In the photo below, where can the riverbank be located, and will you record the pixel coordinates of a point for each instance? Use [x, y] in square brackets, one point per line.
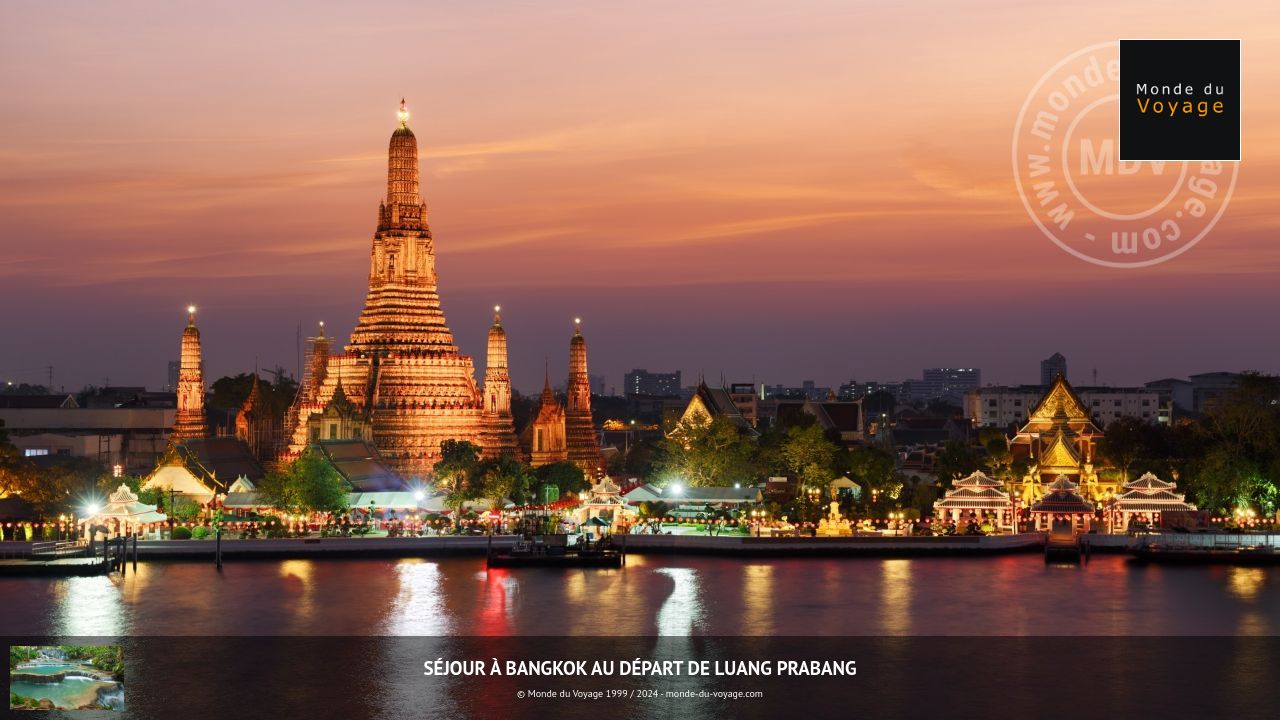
[729, 546]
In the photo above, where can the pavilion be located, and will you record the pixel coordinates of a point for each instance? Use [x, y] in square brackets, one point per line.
[1062, 504]
[123, 514]
[606, 503]
[1145, 500]
[978, 495]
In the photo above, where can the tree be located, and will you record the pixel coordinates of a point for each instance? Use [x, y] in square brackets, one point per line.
[1241, 456]
[505, 477]
[308, 484]
[457, 473]
[567, 477]
[957, 459]
[1123, 443]
[705, 452]
[809, 455]
[873, 468]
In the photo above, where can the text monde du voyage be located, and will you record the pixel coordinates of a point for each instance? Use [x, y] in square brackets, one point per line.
[1179, 99]
[639, 667]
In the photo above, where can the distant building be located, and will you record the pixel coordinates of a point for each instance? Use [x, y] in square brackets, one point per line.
[948, 383]
[808, 390]
[1003, 406]
[744, 397]
[132, 437]
[641, 382]
[1051, 367]
[1198, 394]
[854, 390]
[598, 385]
[175, 367]
[844, 418]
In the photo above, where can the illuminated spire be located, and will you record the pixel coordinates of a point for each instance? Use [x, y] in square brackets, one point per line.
[191, 314]
[402, 171]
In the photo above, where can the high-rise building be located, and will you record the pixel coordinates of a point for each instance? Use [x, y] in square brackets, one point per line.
[175, 366]
[1051, 367]
[949, 383]
[190, 422]
[655, 384]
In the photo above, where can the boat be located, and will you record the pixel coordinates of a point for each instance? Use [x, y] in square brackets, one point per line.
[557, 551]
[1226, 549]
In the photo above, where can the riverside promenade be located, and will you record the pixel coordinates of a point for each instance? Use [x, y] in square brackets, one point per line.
[733, 545]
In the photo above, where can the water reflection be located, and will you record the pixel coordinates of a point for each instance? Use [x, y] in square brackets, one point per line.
[89, 606]
[757, 599]
[498, 603]
[895, 597]
[682, 610]
[1246, 582]
[418, 609]
[667, 596]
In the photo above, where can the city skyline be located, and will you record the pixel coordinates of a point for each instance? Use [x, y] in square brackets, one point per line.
[774, 229]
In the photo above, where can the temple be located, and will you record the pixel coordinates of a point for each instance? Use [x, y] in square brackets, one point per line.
[560, 433]
[579, 429]
[401, 372]
[1147, 501]
[498, 434]
[190, 422]
[544, 437]
[257, 425]
[1059, 439]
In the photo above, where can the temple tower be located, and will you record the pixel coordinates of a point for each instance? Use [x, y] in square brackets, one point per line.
[499, 434]
[257, 423]
[580, 432]
[547, 431]
[190, 422]
[401, 371]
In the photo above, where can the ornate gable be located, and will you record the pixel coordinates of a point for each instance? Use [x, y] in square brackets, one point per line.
[1060, 399]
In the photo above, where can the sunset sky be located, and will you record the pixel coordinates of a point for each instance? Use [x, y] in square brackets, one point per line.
[775, 191]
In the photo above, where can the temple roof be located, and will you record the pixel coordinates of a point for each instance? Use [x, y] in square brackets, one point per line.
[216, 462]
[360, 465]
[1149, 482]
[1061, 398]
[1064, 503]
[978, 479]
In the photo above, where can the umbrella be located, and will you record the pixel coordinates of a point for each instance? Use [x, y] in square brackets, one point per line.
[598, 521]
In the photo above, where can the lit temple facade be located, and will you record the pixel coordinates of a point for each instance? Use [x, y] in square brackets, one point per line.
[497, 428]
[401, 371]
[257, 425]
[545, 434]
[190, 422]
[579, 428]
[1059, 440]
[566, 432]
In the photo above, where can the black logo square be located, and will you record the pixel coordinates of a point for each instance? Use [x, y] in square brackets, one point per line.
[1179, 100]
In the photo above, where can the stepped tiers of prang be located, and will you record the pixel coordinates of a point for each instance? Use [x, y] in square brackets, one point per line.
[190, 422]
[401, 372]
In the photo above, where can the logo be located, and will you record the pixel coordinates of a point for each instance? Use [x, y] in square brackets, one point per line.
[1082, 196]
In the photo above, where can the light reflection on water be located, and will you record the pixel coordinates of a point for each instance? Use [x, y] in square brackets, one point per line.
[686, 596]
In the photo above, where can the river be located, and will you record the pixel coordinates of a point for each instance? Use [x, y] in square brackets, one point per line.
[653, 595]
